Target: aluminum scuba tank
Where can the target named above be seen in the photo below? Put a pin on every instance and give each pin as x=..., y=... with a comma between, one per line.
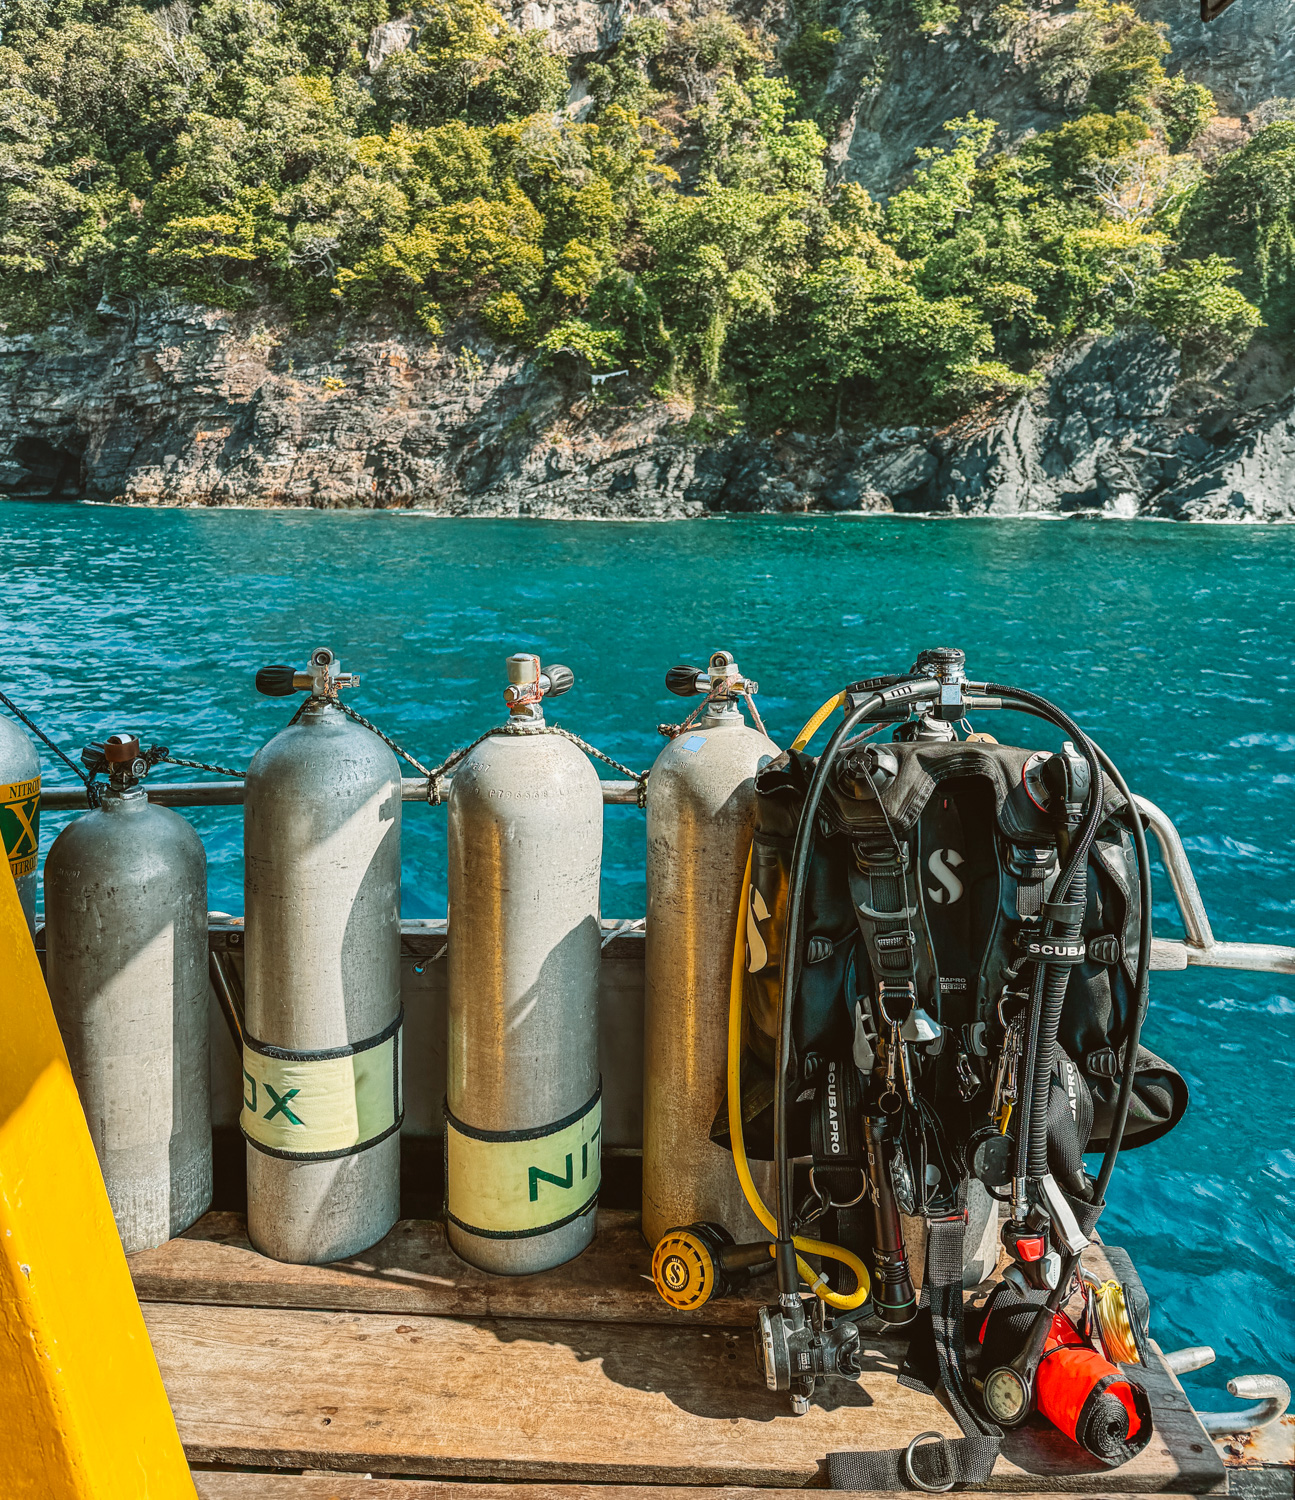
x=523, y=1101
x=126, y=944
x=20, y=811
x=322, y=1100
x=700, y=811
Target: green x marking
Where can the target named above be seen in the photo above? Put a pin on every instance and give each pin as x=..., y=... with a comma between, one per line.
x=28, y=839
x=281, y=1104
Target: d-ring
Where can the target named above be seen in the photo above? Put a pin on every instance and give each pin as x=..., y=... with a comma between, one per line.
x=931, y=1489
x=830, y=1202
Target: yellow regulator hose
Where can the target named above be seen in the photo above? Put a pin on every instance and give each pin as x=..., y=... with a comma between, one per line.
x=814, y=724
x=810, y=1247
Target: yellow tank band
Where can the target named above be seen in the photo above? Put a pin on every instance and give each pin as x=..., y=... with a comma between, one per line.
x=316, y=1106
x=20, y=824
x=512, y=1184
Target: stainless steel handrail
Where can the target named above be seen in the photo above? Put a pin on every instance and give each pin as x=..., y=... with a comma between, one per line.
x=1201, y=949
x=230, y=794
x=1186, y=891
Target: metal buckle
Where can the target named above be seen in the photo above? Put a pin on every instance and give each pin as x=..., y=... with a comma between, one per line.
x=921, y=1484
x=903, y=989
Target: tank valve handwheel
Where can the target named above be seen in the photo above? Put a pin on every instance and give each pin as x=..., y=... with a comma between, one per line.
x=685, y=682
x=321, y=679
x=685, y=1267
x=277, y=681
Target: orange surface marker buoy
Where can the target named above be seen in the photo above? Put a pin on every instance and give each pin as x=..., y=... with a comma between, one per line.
x=83, y=1412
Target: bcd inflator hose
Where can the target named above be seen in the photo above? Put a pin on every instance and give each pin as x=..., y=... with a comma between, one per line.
x=1056, y=979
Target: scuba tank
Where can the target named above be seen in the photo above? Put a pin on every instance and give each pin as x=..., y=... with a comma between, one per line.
x=126, y=956
x=20, y=811
x=523, y=1101
x=950, y=990
x=700, y=808
x=322, y=1100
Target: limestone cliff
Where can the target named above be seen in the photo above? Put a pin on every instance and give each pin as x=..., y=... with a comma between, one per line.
x=186, y=406
x=158, y=401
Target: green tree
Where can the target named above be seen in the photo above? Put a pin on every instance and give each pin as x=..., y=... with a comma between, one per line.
x=466, y=64
x=331, y=33
x=1185, y=109
x=1246, y=213
x=864, y=341
x=721, y=256
x=942, y=188
x=626, y=78
x=1194, y=305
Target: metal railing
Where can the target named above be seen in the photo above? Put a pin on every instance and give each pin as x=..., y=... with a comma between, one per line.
x=230, y=793
x=1200, y=949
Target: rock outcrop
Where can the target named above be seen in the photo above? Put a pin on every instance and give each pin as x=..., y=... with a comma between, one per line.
x=1246, y=57
x=1251, y=478
x=188, y=406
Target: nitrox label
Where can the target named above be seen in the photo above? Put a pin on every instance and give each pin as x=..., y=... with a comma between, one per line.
x=20, y=824
x=512, y=1184
x=304, y=1106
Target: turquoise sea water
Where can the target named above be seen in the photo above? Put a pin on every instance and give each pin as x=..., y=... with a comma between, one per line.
x=1174, y=646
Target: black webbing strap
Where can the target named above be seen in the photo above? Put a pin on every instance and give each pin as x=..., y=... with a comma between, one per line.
x=839, y=1175
x=888, y=914
x=1030, y=867
x=930, y=1462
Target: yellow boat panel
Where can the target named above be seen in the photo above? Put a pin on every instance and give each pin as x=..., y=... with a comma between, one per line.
x=83, y=1413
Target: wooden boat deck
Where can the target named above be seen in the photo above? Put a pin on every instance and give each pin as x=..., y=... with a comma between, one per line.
x=580, y=1384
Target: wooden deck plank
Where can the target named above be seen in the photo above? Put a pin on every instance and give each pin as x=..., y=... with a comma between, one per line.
x=551, y=1402
x=1176, y=1420
x=414, y=1270
x=229, y=1486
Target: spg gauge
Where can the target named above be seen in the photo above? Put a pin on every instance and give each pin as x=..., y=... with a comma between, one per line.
x=1007, y=1396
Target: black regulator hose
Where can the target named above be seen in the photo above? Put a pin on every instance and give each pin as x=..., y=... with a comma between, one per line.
x=1048, y=992
x=1128, y=1068
x=907, y=690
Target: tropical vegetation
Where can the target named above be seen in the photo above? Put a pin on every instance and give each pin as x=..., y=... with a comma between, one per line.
x=667, y=209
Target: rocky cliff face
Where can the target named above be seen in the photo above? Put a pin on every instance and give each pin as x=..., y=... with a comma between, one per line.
x=186, y=406
x=180, y=405
x=1246, y=58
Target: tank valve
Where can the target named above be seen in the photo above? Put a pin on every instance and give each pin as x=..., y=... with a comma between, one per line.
x=528, y=684
x=118, y=757
x=321, y=679
x=722, y=680
x=946, y=664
